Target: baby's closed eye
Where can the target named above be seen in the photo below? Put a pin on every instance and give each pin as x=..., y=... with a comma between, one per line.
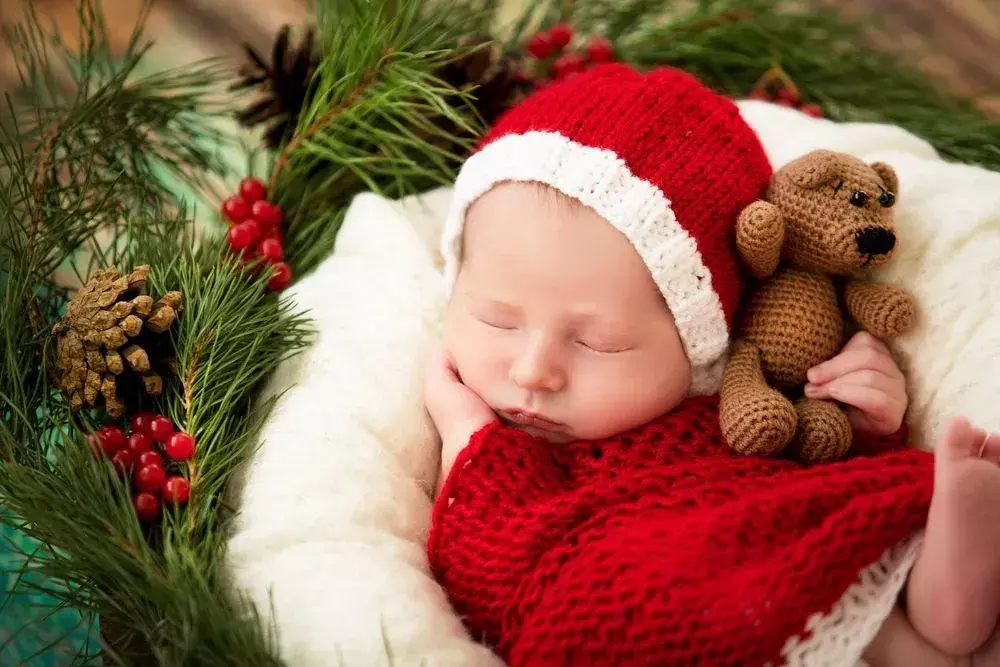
x=504, y=323
x=604, y=344
x=602, y=349
x=496, y=315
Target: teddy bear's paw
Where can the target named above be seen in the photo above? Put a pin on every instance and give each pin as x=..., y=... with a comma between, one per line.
x=898, y=314
x=758, y=421
x=824, y=433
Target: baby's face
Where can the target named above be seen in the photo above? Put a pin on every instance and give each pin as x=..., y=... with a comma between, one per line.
x=556, y=323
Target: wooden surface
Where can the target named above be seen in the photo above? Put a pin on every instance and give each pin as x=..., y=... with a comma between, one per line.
x=957, y=41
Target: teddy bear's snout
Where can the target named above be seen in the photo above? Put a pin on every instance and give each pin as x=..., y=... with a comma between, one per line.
x=875, y=241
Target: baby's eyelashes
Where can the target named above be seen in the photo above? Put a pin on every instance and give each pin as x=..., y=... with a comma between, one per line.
x=603, y=347
x=496, y=323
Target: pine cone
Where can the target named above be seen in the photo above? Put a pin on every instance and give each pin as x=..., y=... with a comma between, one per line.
x=283, y=85
x=111, y=326
x=494, y=74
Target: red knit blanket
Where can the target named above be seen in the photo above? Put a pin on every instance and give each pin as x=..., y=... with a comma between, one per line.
x=659, y=547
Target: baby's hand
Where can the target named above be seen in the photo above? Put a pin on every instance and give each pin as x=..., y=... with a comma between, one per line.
x=865, y=377
x=457, y=411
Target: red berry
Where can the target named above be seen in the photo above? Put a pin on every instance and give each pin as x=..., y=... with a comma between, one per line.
x=267, y=214
x=238, y=237
x=566, y=64
x=150, y=458
x=758, y=94
x=600, y=50
x=561, y=34
x=176, y=490
x=180, y=447
x=150, y=478
x=814, y=110
x=789, y=94
x=147, y=506
x=787, y=103
x=281, y=278
x=139, y=423
x=271, y=250
x=122, y=460
x=112, y=439
x=244, y=235
x=541, y=46
x=139, y=443
x=236, y=209
x=255, y=229
x=161, y=428
x=252, y=190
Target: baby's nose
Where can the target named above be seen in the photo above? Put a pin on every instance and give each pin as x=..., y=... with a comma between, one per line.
x=535, y=371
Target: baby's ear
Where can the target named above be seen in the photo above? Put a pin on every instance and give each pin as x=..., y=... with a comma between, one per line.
x=814, y=169
x=888, y=176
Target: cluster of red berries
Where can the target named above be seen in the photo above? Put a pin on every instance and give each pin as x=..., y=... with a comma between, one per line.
x=136, y=457
x=255, y=230
x=777, y=87
x=554, y=61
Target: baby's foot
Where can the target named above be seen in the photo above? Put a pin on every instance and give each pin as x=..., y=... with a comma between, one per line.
x=953, y=596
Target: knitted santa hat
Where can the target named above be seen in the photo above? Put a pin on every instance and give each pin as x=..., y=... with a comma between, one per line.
x=661, y=157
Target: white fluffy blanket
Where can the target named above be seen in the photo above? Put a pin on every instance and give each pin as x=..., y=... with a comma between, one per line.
x=335, y=507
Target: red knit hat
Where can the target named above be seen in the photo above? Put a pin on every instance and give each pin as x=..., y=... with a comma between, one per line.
x=661, y=157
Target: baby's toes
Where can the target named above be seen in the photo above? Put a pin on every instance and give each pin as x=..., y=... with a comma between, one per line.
x=959, y=440
x=989, y=447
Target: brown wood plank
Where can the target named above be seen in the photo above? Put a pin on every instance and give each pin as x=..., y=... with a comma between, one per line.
x=955, y=41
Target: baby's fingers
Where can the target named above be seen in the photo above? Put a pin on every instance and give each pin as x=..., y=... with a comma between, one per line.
x=862, y=386
x=859, y=356
x=450, y=367
x=440, y=367
x=873, y=408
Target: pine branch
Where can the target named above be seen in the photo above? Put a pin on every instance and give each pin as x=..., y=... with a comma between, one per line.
x=376, y=117
x=81, y=162
x=107, y=136
x=234, y=332
x=78, y=160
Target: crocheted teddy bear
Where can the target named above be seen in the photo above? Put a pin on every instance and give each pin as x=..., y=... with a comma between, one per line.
x=826, y=216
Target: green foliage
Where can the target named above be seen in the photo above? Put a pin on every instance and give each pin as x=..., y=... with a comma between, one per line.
x=373, y=116
x=80, y=188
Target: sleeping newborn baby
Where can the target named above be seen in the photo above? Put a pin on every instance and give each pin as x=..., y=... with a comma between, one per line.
x=589, y=509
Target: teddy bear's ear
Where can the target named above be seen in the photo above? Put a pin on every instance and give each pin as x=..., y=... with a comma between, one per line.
x=814, y=169
x=888, y=176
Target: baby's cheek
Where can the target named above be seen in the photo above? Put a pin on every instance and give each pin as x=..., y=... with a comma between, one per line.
x=479, y=360
x=626, y=397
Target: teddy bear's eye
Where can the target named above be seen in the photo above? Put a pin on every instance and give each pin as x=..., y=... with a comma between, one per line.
x=859, y=199
x=887, y=199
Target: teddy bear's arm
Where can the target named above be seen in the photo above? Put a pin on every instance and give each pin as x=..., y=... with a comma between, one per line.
x=760, y=231
x=883, y=310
